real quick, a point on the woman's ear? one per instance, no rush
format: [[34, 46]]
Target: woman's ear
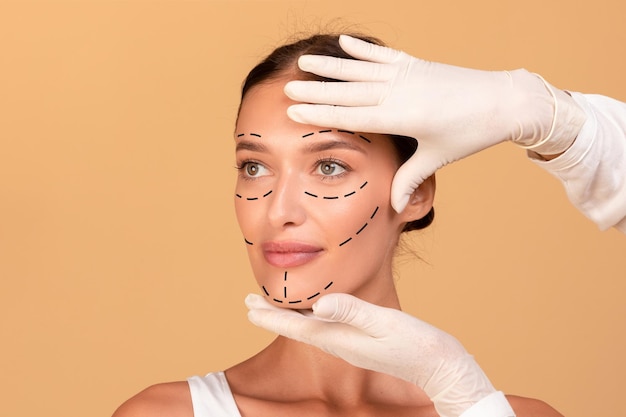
[[421, 201]]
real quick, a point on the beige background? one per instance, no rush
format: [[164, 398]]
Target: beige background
[[121, 263]]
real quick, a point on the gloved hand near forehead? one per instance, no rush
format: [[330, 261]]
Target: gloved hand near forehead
[[392, 342], [453, 112]]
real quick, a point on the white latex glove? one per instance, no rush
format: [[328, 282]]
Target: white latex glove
[[453, 112], [383, 340]]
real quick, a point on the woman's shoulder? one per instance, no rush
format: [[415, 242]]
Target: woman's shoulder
[[171, 399], [530, 407]]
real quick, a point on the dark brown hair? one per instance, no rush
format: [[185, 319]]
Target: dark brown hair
[[283, 63]]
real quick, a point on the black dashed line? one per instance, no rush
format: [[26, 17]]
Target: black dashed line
[[295, 302], [329, 284], [326, 131], [240, 135], [285, 292], [349, 194], [255, 134], [361, 229], [278, 301], [374, 213], [345, 131], [252, 198], [364, 184], [267, 193], [238, 195], [365, 139], [265, 291], [308, 134], [308, 193], [248, 242], [313, 296], [345, 241], [285, 275], [331, 198]]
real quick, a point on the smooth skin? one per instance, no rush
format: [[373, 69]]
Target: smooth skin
[[289, 378]]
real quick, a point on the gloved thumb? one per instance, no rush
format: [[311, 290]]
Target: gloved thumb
[[350, 310], [410, 175]]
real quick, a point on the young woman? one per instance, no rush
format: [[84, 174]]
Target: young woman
[[313, 205]]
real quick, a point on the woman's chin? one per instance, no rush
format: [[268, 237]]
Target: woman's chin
[[293, 295]]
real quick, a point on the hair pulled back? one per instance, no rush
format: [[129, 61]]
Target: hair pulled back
[[283, 63]]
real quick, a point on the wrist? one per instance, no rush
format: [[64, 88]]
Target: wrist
[[493, 405], [531, 109], [549, 118], [457, 386]]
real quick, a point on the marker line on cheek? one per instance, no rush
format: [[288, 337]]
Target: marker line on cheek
[[362, 227], [253, 198]]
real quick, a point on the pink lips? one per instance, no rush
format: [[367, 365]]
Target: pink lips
[[289, 254]]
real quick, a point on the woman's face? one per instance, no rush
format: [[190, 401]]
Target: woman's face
[[313, 204]]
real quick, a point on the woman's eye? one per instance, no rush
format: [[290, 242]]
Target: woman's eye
[[253, 169], [330, 168]]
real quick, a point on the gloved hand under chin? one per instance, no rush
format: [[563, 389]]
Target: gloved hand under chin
[[384, 340], [453, 112]]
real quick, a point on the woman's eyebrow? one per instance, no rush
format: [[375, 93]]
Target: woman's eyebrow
[[245, 145], [320, 146]]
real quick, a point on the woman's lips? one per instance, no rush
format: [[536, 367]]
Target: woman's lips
[[289, 254]]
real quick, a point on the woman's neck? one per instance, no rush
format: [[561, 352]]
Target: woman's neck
[[291, 372]]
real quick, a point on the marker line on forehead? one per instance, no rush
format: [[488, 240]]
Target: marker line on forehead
[[239, 135], [348, 132]]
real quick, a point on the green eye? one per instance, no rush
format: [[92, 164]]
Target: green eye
[[329, 168]]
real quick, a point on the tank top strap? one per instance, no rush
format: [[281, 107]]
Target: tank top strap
[[211, 396]]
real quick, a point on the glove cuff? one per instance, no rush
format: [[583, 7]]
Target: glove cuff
[[457, 386], [567, 120], [493, 405]]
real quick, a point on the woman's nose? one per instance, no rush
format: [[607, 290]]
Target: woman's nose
[[285, 203]]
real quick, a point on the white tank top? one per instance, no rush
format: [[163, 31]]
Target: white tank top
[[211, 396]]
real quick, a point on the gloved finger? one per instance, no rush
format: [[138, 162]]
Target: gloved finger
[[258, 302], [345, 69], [367, 51], [410, 175], [359, 314], [286, 322], [336, 93], [296, 326], [357, 119]]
